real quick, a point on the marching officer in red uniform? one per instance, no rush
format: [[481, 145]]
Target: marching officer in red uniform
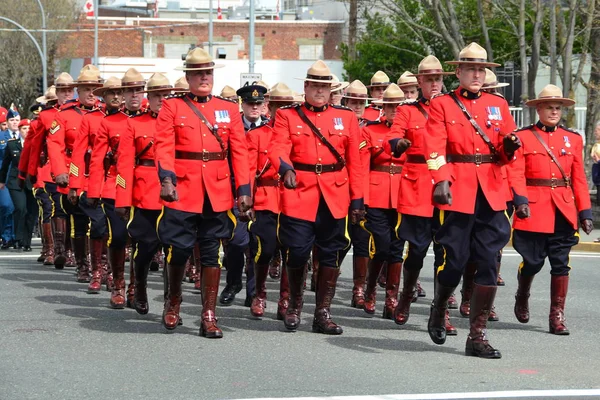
[[468, 139], [409, 85], [138, 188], [64, 131], [195, 135], [381, 197], [415, 199], [266, 188], [551, 197], [316, 152], [103, 180], [379, 82]]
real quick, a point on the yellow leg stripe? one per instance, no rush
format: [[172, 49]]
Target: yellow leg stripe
[[221, 248], [162, 212], [259, 250], [108, 242], [521, 266], [442, 217], [441, 267], [346, 233], [372, 249], [234, 220], [169, 254], [72, 219], [277, 230], [135, 253], [131, 215], [398, 226]]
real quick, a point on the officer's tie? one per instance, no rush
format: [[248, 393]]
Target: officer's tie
[[252, 125]]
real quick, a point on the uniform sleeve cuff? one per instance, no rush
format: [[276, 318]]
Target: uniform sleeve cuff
[[284, 167], [244, 190], [518, 200], [163, 173], [585, 214], [357, 204], [393, 145]]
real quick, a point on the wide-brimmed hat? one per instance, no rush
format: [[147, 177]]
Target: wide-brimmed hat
[[198, 59], [430, 65], [64, 81], [181, 85], [407, 79], [87, 77], [551, 93], [318, 72], [280, 92], [379, 79], [473, 54], [91, 68], [491, 82], [111, 83], [357, 90], [228, 92], [337, 85], [158, 83], [132, 79], [392, 95], [49, 95]]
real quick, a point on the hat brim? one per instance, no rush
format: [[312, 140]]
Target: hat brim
[[341, 86], [180, 90], [380, 102], [445, 73], [383, 85], [159, 90], [496, 86], [564, 101], [485, 64], [77, 84], [359, 98], [200, 68], [401, 85], [330, 81], [100, 91], [44, 99]]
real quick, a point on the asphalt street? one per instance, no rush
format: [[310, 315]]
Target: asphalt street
[[58, 342]]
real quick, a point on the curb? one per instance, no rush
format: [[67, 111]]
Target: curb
[[582, 246]]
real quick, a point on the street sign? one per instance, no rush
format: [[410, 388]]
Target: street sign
[[249, 78]]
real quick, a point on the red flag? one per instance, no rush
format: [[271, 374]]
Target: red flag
[[219, 13], [88, 8], [156, 9]]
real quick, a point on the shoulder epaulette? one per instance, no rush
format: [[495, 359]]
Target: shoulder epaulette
[[369, 123], [498, 94], [341, 107], [140, 114], [177, 95], [569, 129], [12, 140], [68, 106], [288, 106], [438, 95], [223, 98], [525, 128]]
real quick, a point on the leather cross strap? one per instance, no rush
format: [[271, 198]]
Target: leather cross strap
[[485, 138], [552, 156], [547, 182], [213, 129], [143, 151], [319, 135], [421, 109]]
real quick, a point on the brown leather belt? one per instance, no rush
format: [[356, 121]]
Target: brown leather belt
[[416, 159], [390, 169], [267, 182], [204, 156], [554, 182], [145, 162], [472, 158], [318, 168]]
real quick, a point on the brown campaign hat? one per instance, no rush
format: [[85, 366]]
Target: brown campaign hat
[[49, 95], [198, 59], [111, 83], [228, 92], [280, 92], [91, 68], [551, 93], [357, 90], [491, 82], [380, 78], [337, 85], [473, 54], [181, 85], [158, 83], [64, 80], [318, 72], [132, 79], [407, 79], [87, 77], [392, 95], [430, 65]]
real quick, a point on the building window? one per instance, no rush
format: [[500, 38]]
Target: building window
[[310, 52]]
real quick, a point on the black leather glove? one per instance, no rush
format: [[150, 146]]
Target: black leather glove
[[244, 203], [289, 179], [167, 191], [401, 146], [21, 183], [62, 180], [357, 215], [92, 202], [511, 143], [441, 193], [587, 225], [72, 196], [32, 178], [122, 212], [522, 211], [247, 216]]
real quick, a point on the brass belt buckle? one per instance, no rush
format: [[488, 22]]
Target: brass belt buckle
[[553, 183], [204, 155], [318, 168], [392, 169], [478, 158]]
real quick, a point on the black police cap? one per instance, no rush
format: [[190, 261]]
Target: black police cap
[[252, 93]]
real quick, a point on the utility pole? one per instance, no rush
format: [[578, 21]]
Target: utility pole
[[352, 29], [251, 39], [210, 27], [44, 48], [96, 32]]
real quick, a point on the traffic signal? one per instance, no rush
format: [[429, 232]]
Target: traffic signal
[[39, 85]]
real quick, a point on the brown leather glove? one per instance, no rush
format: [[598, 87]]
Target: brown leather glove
[[21, 183], [122, 212], [442, 194], [32, 178], [522, 211], [401, 146], [289, 179], [587, 225], [247, 216], [72, 196], [62, 180], [511, 143], [167, 191], [357, 215], [244, 203]]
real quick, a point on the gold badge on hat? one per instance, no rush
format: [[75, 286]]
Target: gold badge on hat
[[255, 93]]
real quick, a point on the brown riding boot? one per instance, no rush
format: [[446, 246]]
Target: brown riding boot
[[322, 322], [493, 317], [71, 262], [499, 280], [284, 295], [170, 315], [420, 291], [60, 236], [198, 276], [375, 267], [450, 329], [210, 289], [481, 304], [359, 275], [117, 264], [44, 250], [140, 298], [558, 296], [391, 289], [436, 326], [522, 298], [49, 243], [95, 285], [80, 249], [402, 311], [315, 271], [382, 276], [296, 278], [467, 289], [131, 285], [259, 302], [275, 265]]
